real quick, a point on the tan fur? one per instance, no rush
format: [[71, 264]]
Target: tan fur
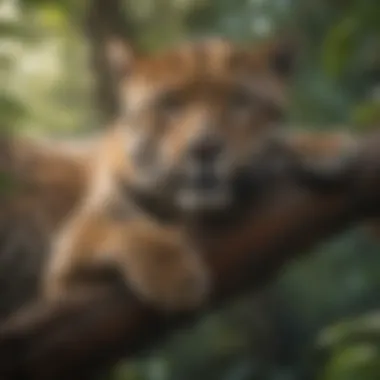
[[154, 260], [204, 78]]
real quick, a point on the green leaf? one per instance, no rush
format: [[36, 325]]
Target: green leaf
[[11, 110], [367, 115], [360, 361], [338, 45]]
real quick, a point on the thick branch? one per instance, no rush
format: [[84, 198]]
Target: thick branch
[[84, 336]]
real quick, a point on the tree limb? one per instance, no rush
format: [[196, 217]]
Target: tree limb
[[81, 336]]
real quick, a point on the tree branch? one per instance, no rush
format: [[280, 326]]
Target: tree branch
[[81, 336]]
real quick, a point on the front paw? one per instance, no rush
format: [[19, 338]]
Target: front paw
[[173, 282]]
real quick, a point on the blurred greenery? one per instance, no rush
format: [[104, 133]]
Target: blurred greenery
[[296, 329]]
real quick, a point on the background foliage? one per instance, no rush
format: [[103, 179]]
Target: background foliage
[[319, 320]]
